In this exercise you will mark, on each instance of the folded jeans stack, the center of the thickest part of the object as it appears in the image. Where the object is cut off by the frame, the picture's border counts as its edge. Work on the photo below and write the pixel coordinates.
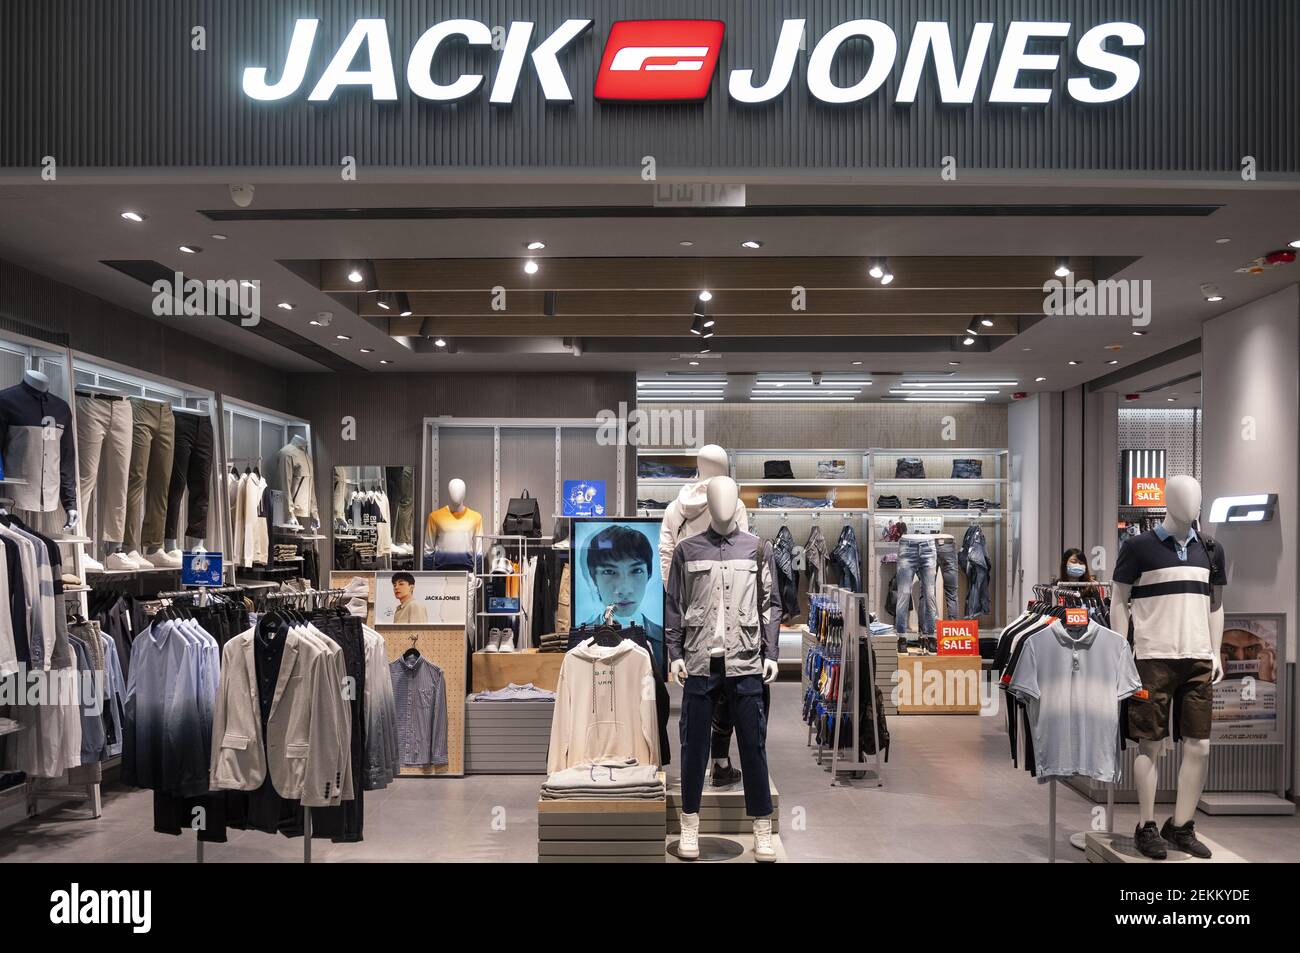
(832, 469)
(651, 504)
(922, 503)
(952, 503)
(555, 642)
(967, 469)
(909, 468)
(888, 503)
(784, 501)
(649, 469)
(609, 779)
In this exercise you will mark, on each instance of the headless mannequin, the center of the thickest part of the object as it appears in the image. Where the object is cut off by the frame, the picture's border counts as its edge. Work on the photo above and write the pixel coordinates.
(723, 495)
(38, 381)
(1183, 499)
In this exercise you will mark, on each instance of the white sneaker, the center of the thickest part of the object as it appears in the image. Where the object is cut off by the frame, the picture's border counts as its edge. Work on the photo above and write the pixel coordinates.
(161, 559)
(120, 562)
(139, 561)
(764, 850)
(688, 848)
(91, 564)
(507, 643)
(176, 556)
(493, 641)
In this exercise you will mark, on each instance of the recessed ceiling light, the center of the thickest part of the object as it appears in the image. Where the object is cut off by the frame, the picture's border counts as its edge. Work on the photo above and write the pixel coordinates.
(343, 337)
(1138, 334)
(1296, 243)
(316, 324)
(1112, 362)
(1026, 349)
(706, 295)
(191, 249)
(694, 363)
(987, 322)
(1073, 363)
(407, 314)
(954, 363)
(1171, 399)
(530, 267)
(383, 361)
(134, 217)
(686, 244)
(367, 350)
(355, 276)
(248, 284)
(1062, 267)
(439, 342)
(751, 244)
(285, 306)
(1039, 380)
(857, 363)
(535, 246)
(220, 238)
(1222, 241)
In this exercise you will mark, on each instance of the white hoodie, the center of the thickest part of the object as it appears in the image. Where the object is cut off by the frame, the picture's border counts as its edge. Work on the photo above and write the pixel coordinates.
(688, 516)
(604, 707)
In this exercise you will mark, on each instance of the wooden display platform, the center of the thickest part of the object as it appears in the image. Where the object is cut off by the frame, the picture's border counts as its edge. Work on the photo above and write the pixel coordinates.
(493, 670)
(736, 849)
(722, 810)
(939, 684)
(601, 832)
(507, 737)
(1103, 848)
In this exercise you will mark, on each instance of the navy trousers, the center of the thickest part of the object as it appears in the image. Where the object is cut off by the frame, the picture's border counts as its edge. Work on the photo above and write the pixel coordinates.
(744, 696)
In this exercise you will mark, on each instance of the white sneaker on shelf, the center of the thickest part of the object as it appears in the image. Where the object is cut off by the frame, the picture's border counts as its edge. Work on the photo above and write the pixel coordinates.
(764, 849)
(120, 562)
(688, 848)
(138, 561)
(507, 643)
(91, 564)
(161, 559)
(176, 555)
(493, 641)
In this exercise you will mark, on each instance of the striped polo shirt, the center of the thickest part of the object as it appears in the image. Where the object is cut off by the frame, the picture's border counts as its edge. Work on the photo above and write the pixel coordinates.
(1170, 600)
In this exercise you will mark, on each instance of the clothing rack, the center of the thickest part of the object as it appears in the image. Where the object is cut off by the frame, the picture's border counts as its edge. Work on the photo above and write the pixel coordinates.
(851, 605)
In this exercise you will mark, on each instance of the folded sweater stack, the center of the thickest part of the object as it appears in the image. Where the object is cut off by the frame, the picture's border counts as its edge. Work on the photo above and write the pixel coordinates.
(610, 779)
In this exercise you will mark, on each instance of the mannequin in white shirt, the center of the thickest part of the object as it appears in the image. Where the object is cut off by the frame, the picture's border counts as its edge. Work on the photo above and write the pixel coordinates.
(1183, 502)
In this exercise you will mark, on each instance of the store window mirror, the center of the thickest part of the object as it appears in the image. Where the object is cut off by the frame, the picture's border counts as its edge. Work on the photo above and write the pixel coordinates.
(373, 517)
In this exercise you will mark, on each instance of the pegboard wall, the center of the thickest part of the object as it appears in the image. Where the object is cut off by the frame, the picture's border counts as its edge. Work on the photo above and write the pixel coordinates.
(1176, 431)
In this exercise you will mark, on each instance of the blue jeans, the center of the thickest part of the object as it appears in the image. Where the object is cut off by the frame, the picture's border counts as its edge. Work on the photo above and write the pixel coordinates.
(744, 695)
(916, 560)
(977, 591)
(784, 501)
(967, 469)
(946, 551)
(909, 468)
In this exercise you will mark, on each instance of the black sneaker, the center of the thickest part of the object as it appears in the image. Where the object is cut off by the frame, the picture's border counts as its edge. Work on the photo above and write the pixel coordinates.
(1184, 838)
(724, 776)
(1148, 841)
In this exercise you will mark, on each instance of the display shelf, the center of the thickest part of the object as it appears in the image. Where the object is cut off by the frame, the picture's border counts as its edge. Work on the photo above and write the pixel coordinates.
(998, 481)
(12, 481)
(811, 510)
(131, 572)
(847, 481)
(84, 540)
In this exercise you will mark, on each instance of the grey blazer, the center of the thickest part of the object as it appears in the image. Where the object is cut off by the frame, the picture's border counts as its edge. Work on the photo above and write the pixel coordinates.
(308, 734)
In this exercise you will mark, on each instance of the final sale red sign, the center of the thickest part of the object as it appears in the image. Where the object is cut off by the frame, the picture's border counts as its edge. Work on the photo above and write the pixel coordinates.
(959, 637)
(1149, 491)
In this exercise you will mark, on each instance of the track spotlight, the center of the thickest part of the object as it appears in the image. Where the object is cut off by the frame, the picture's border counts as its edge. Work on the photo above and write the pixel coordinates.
(1211, 292)
(1062, 267)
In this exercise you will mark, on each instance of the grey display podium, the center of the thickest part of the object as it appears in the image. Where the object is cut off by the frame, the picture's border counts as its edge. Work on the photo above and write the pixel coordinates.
(722, 810)
(1103, 848)
(601, 832)
(507, 737)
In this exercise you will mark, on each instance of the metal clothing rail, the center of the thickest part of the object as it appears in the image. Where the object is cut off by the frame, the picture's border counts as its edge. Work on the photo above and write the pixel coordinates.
(850, 604)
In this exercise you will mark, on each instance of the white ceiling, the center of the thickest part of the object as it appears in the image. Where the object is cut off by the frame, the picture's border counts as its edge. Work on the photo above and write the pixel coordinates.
(66, 230)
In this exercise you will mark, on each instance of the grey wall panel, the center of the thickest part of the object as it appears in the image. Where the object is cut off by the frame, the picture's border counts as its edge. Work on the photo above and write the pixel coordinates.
(116, 84)
(528, 463)
(104, 330)
(582, 458)
(465, 453)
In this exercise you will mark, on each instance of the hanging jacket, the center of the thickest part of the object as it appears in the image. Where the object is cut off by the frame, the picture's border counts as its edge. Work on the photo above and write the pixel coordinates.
(814, 555)
(787, 576)
(844, 557)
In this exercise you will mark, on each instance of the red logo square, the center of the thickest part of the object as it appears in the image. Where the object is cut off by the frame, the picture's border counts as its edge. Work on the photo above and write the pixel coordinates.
(659, 60)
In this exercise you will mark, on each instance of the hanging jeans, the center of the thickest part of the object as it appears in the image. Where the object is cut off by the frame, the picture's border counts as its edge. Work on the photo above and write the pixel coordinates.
(153, 437)
(192, 471)
(916, 560)
(844, 557)
(977, 591)
(744, 694)
(787, 577)
(946, 552)
(104, 425)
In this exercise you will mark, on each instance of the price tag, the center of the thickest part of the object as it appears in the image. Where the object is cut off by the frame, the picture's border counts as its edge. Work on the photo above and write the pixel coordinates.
(1076, 616)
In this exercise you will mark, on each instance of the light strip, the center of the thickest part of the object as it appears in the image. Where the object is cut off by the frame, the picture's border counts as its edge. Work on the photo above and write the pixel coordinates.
(907, 391)
(678, 398)
(959, 384)
(942, 400)
(682, 383)
(797, 397)
(684, 392)
(806, 382)
(804, 393)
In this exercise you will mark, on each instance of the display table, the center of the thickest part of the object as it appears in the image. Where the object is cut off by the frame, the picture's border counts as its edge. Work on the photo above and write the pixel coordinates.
(507, 737)
(601, 832)
(493, 670)
(939, 684)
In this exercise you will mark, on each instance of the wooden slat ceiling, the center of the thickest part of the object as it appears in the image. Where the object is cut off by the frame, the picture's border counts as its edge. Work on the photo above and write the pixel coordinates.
(626, 297)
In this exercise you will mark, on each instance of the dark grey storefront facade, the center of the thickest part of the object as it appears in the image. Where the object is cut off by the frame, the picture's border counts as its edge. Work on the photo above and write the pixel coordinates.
(120, 84)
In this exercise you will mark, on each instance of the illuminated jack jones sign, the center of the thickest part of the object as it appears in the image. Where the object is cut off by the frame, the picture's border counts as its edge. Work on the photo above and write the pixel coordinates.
(675, 60)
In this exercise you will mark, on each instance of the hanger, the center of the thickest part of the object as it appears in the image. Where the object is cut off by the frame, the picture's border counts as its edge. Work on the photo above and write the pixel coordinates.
(413, 652)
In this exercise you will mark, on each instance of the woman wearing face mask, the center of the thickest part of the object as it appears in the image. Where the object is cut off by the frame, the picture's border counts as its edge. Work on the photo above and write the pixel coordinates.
(1074, 567)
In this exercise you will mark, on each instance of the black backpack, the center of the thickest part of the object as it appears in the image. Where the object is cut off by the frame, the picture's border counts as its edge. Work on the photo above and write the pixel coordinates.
(523, 518)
